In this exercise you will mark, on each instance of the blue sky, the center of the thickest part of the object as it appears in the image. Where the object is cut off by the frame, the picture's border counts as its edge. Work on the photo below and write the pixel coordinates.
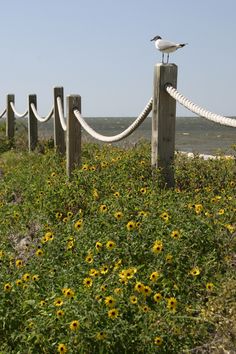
(102, 51)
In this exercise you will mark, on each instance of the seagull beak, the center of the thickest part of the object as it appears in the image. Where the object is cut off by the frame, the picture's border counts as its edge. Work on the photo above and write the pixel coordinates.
(152, 39)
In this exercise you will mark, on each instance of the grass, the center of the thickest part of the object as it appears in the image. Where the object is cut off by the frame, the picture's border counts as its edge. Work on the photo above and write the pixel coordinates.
(110, 263)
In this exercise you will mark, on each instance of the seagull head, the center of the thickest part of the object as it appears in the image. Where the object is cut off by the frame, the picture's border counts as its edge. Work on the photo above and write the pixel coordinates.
(155, 38)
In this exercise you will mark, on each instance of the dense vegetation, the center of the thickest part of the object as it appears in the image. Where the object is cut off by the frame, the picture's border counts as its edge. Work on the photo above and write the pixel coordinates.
(108, 262)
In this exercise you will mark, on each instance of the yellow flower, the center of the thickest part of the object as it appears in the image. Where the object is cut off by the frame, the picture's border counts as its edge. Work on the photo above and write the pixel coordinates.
(110, 301)
(117, 194)
(103, 208)
(169, 258)
(88, 282)
(89, 258)
(103, 287)
(98, 246)
(85, 167)
(230, 228)
(130, 225)
(157, 297)
(61, 348)
(158, 341)
(113, 313)
(93, 272)
(198, 208)
(157, 247)
(42, 303)
(164, 216)
(58, 215)
(19, 263)
(104, 269)
(18, 282)
(35, 277)
(68, 292)
(39, 253)
(139, 287)
(147, 290)
(221, 212)
(175, 234)
(78, 225)
(209, 286)
(133, 299)
(58, 302)
(195, 271)
(101, 335)
(143, 190)
(145, 308)
(26, 277)
(7, 287)
(118, 215)
(110, 245)
(171, 303)
(74, 325)
(48, 236)
(153, 277)
(143, 213)
(60, 313)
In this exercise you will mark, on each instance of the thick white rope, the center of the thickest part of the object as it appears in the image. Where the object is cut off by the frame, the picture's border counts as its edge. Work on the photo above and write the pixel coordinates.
(199, 110)
(2, 114)
(19, 115)
(40, 119)
(124, 134)
(61, 113)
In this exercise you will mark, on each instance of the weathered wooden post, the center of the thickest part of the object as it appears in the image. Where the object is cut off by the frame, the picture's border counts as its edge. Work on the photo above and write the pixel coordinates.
(163, 122)
(10, 117)
(73, 134)
(59, 135)
(32, 124)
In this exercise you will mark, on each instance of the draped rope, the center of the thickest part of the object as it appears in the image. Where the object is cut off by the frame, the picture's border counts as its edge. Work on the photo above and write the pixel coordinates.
(37, 116)
(2, 114)
(124, 134)
(19, 115)
(199, 110)
(60, 113)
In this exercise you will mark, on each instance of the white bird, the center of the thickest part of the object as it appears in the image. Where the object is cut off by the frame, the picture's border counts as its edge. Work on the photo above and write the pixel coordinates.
(165, 46)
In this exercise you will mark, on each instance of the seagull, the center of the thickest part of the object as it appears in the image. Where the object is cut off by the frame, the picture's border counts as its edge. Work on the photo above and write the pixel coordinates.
(165, 46)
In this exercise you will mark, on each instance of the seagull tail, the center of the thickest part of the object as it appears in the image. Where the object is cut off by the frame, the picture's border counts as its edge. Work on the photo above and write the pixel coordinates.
(181, 45)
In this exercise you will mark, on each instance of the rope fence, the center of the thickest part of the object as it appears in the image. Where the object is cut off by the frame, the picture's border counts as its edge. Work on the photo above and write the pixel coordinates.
(199, 110)
(67, 128)
(18, 115)
(38, 117)
(118, 137)
(3, 113)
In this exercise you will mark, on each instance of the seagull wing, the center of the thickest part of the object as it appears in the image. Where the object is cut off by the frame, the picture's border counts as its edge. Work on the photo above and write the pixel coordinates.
(163, 45)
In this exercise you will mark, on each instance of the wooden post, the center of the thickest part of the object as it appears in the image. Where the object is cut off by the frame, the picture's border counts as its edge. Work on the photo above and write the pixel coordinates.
(73, 134)
(163, 122)
(10, 118)
(32, 124)
(59, 135)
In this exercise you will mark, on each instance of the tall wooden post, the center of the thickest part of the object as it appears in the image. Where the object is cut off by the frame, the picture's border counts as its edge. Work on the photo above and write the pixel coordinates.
(163, 122)
(10, 118)
(59, 135)
(32, 124)
(73, 134)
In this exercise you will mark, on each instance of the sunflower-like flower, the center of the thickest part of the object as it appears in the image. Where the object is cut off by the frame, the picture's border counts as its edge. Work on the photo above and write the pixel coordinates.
(74, 325)
(113, 313)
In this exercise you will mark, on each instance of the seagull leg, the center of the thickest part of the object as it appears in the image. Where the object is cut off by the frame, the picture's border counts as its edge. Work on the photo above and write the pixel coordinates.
(167, 58)
(163, 58)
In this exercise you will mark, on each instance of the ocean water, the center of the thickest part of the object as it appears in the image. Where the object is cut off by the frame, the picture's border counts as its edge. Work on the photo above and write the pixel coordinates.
(193, 134)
